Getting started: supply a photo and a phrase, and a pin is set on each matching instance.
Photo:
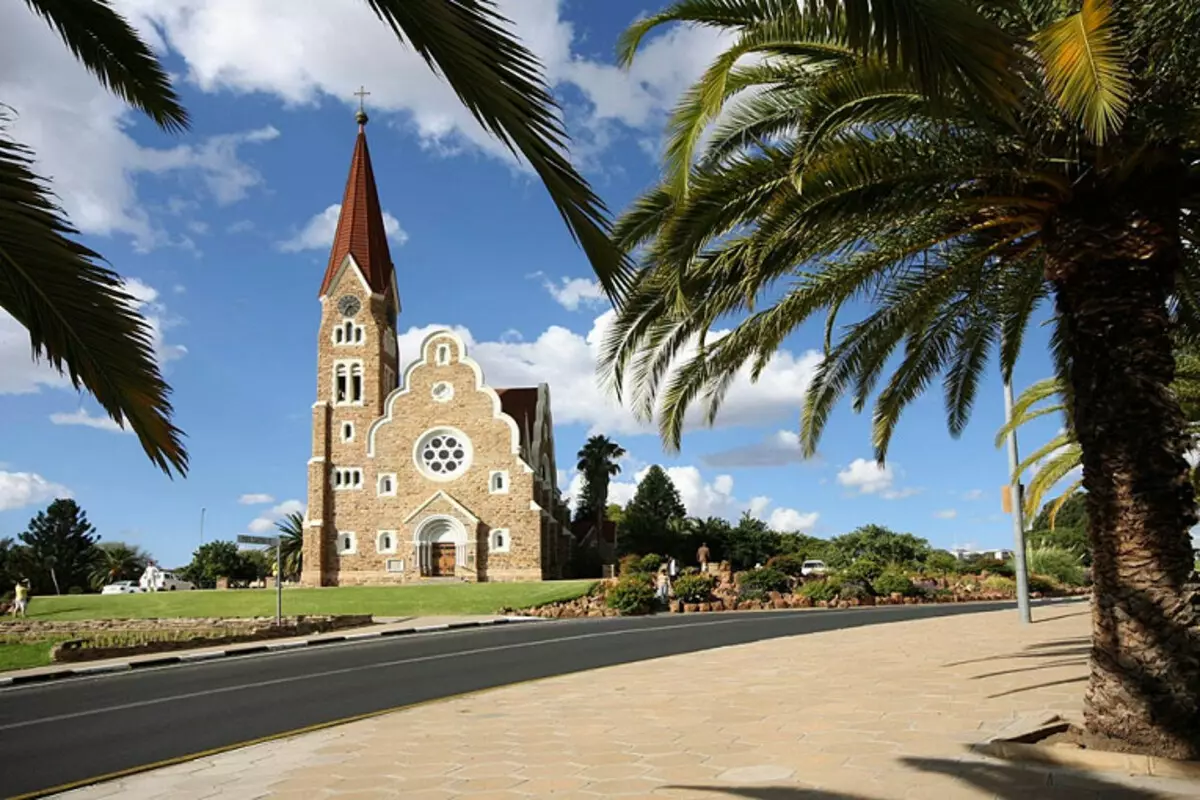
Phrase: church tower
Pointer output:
(357, 358)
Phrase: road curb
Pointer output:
(250, 649)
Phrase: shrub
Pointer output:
(863, 570)
(695, 588)
(1000, 583)
(764, 579)
(651, 562)
(632, 594)
(820, 590)
(1045, 584)
(1059, 563)
(893, 581)
(787, 563)
(853, 590)
(631, 565)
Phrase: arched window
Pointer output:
(443, 354)
(347, 431)
(346, 543)
(387, 485)
(340, 382)
(385, 542)
(498, 482)
(500, 540)
(356, 383)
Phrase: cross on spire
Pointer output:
(361, 116)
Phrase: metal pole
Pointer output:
(202, 510)
(278, 583)
(1018, 510)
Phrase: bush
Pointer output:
(893, 581)
(632, 594)
(1000, 583)
(863, 570)
(853, 590)
(1045, 584)
(820, 590)
(75, 590)
(631, 565)
(651, 562)
(695, 588)
(787, 563)
(763, 580)
(1059, 563)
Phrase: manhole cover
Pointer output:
(765, 772)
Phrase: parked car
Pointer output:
(813, 568)
(157, 580)
(122, 587)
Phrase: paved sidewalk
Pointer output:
(869, 713)
(384, 626)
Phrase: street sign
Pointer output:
(267, 540)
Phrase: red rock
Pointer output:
(854, 602)
(779, 603)
(868, 601)
(703, 607)
(803, 602)
(691, 608)
(822, 604)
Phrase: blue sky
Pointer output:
(223, 235)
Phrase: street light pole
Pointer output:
(1018, 509)
(202, 510)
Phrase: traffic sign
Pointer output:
(267, 540)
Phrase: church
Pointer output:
(430, 475)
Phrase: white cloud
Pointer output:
(571, 293)
(703, 498)
(83, 417)
(870, 477)
(266, 521)
(566, 360)
(948, 513)
(778, 449)
(973, 494)
(255, 499)
(317, 233)
(20, 489)
(20, 374)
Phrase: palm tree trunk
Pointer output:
(1113, 263)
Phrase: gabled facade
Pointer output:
(429, 475)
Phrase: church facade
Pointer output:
(427, 476)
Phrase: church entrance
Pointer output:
(441, 546)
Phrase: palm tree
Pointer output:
(79, 316)
(117, 561)
(599, 461)
(1061, 455)
(832, 182)
(291, 544)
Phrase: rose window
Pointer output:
(444, 454)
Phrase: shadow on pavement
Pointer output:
(1004, 781)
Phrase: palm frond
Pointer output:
(108, 46)
(1087, 71)
(78, 316)
(1052, 471)
(1058, 504)
(500, 81)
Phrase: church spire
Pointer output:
(360, 230)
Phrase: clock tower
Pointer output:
(357, 358)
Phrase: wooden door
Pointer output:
(443, 559)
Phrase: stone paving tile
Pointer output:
(875, 713)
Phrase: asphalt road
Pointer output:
(59, 733)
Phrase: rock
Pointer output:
(595, 612)
(854, 602)
(822, 604)
(779, 602)
(803, 601)
(868, 600)
(676, 606)
(896, 597)
(691, 608)
(774, 596)
(702, 607)
(910, 601)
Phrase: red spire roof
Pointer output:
(360, 230)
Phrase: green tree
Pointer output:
(750, 542)
(806, 547)
(599, 461)
(879, 544)
(941, 562)
(291, 543)
(60, 548)
(615, 513)
(954, 214)
(77, 312)
(218, 559)
(117, 561)
(655, 503)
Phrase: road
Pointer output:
(59, 733)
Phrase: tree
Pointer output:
(878, 544)
(750, 542)
(117, 561)
(655, 503)
(804, 546)
(218, 559)
(941, 562)
(79, 316)
(954, 215)
(599, 461)
(291, 543)
(60, 548)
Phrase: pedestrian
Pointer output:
(672, 569)
(663, 586)
(21, 600)
(702, 556)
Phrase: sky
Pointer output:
(222, 234)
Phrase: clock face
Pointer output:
(349, 305)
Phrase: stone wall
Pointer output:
(302, 625)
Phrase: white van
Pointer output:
(156, 580)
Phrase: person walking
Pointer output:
(21, 598)
(702, 556)
(672, 568)
(663, 585)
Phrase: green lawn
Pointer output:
(23, 655)
(390, 601)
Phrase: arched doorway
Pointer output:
(441, 545)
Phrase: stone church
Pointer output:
(427, 476)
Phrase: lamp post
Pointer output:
(1018, 509)
(202, 510)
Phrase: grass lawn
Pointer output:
(23, 655)
(382, 601)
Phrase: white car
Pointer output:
(122, 587)
(812, 568)
(156, 580)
